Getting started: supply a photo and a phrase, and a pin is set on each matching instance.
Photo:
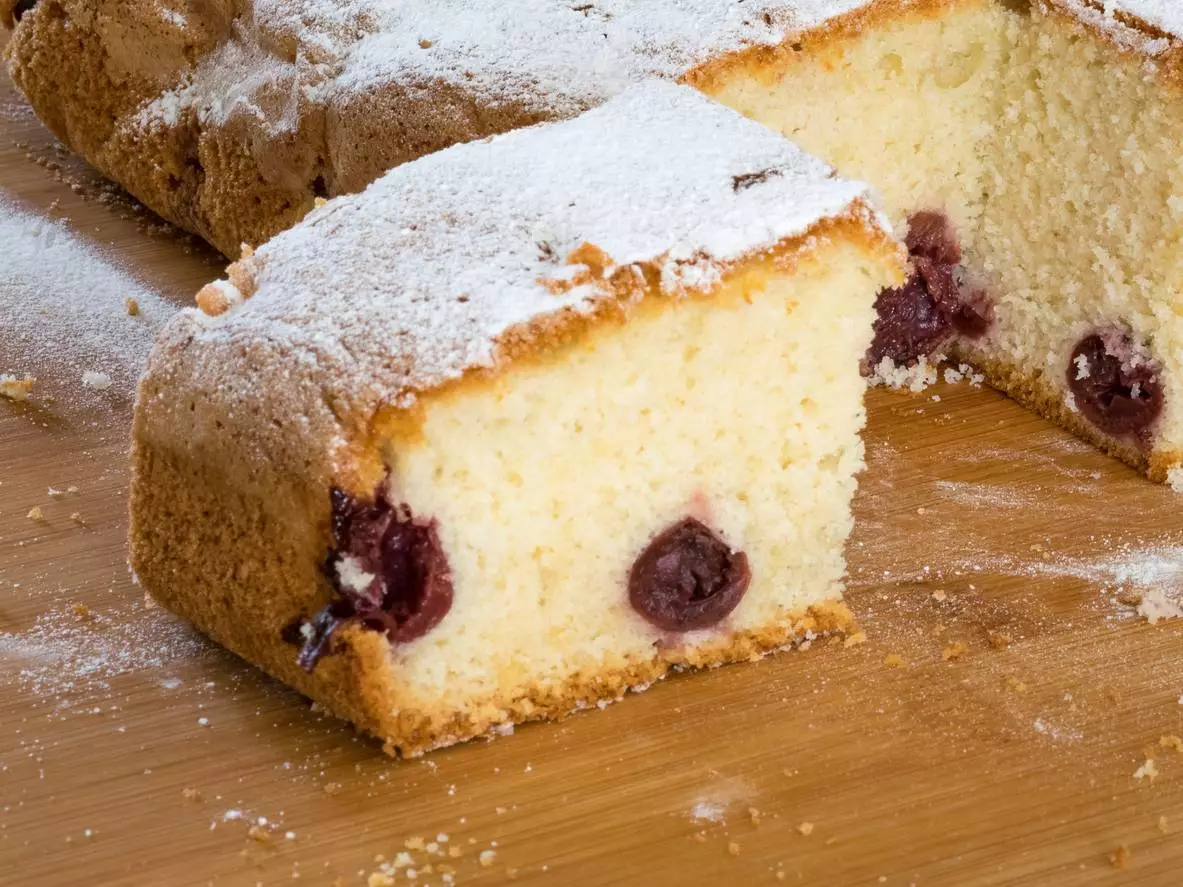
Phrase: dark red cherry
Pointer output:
(687, 578)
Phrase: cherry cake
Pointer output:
(525, 424)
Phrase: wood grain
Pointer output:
(978, 524)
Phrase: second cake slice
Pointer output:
(525, 424)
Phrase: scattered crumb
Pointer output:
(754, 816)
(81, 611)
(332, 788)
(1119, 857)
(192, 794)
(939, 595)
(733, 848)
(954, 651)
(859, 637)
(380, 879)
(1013, 683)
(780, 875)
(133, 308)
(893, 660)
(1172, 741)
(96, 381)
(700, 838)
(1163, 825)
(35, 513)
(415, 843)
(77, 518)
(487, 857)
(998, 640)
(14, 388)
(1148, 771)
(805, 828)
(258, 833)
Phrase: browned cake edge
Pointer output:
(1036, 393)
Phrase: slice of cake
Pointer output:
(526, 424)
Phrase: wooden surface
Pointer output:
(133, 752)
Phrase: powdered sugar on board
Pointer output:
(556, 57)
(64, 307)
(378, 297)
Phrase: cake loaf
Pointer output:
(525, 424)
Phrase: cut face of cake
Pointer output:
(526, 424)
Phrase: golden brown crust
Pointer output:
(1035, 392)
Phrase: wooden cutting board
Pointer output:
(988, 731)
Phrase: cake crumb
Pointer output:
(700, 838)
(1148, 771)
(1013, 683)
(754, 816)
(258, 833)
(780, 875)
(76, 517)
(1172, 741)
(81, 611)
(733, 848)
(415, 843)
(1120, 857)
(805, 828)
(35, 513)
(14, 388)
(939, 596)
(954, 651)
(859, 637)
(893, 660)
(380, 879)
(332, 788)
(999, 640)
(1163, 825)
(487, 857)
(133, 308)
(192, 794)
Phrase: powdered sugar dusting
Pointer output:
(64, 305)
(419, 279)
(66, 658)
(554, 56)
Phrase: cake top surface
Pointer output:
(562, 56)
(379, 296)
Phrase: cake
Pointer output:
(1025, 148)
(525, 424)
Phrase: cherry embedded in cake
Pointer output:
(388, 572)
(687, 578)
(933, 307)
(1116, 385)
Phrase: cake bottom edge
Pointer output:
(1033, 391)
(362, 672)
